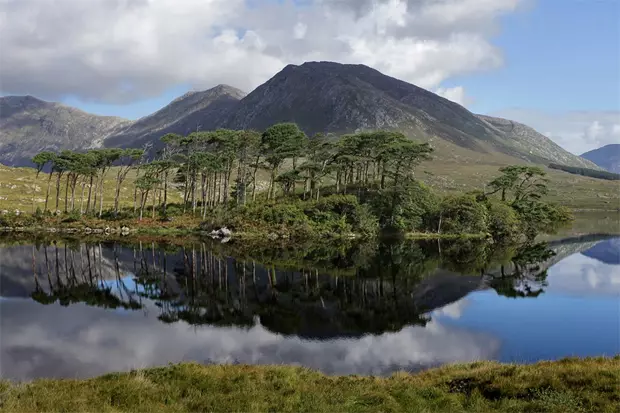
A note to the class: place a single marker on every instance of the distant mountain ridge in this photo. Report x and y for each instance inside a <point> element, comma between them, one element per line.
<point>526,139</point>
<point>197,110</point>
<point>318,96</point>
<point>607,157</point>
<point>29,125</point>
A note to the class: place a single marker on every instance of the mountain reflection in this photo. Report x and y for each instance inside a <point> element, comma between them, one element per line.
<point>314,292</point>
<point>356,308</point>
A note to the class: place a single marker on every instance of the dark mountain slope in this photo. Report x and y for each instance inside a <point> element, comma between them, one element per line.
<point>331,97</point>
<point>607,157</point>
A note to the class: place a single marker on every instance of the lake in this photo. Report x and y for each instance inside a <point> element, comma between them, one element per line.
<point>77,309</point>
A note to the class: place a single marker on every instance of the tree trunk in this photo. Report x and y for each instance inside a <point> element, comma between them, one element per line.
<point>165,192</point>
<point>203,192</point>
<point>82,198</point>
<point>154,202</point>
<point>67,193</point>
<point>254,179</point>
<point>135,193</point>
<point>90,189</point>
<point>73,185</point>
<point>227,182</point>
<point>117,192</point>
<point>272,183</point>
<point>57,190</point>
<point>194,193</point>
<point>34,190</point>
<point>47,192</point>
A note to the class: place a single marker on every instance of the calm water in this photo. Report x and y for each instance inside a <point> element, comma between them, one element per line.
<point>79,310</point>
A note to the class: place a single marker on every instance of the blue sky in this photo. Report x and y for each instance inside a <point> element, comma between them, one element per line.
<point>560,55</point>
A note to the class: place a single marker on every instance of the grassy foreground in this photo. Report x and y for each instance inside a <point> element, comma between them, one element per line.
<point>571,385</point>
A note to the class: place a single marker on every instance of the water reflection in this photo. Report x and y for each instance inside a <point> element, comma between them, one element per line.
<point>74,309</point>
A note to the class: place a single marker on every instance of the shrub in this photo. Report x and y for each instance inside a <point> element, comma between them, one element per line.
<point>503,223</point>
<point>409,207</point>
<point>463,215</point>
<point>540,217</point>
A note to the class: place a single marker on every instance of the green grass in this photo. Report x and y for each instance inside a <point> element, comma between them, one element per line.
<point>571,385</point>
<point>454,170</point>
<point>16,189</point>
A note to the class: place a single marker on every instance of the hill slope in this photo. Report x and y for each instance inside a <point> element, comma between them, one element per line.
<point>193,111</point>
<point>29,125</point>
<point>332,97</point>
<point>526,140</point>
<point>607,157</point>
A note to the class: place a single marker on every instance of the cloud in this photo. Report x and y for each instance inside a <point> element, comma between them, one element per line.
<point>455,94</point>
<point>123,50</point>
<point>80,341</point>
<point>577,131</point>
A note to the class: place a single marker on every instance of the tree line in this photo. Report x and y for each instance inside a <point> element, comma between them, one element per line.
<point>222,166</point>
<point>368,177</point>
<point>592,173</point>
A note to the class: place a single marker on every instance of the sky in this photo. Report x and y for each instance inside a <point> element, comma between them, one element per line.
<point>552,64</point>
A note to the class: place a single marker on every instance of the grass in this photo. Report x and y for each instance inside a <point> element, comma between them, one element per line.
<point>571,385</point>
<point>454,170</point>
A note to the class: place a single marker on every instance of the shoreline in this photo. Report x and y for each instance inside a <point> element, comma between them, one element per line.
<point>575,385</point>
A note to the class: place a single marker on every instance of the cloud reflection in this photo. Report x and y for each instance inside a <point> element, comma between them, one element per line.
<point>80,341</point>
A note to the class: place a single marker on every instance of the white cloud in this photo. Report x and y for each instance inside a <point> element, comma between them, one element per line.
<point>122,50</point>
<point>455,94</point>
<point>577,132</point>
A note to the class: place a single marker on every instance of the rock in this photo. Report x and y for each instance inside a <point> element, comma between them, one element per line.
<point>4,212</point>
<point>224,232</point>
<point>17,212</point>
<point>88,230</point>
<point>97,231</point>
<point>58,212</point>
<point>107,230</point>
<point>225,240</point>
<point>272,236</point>
<point>125,230</point>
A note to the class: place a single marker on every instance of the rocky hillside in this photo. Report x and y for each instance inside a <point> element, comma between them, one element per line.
<point>332,97</point>
<point>607,157</point>
<point>29,125</point>
<point>528,141</point>
<point>319,96</point>
<point>193,111</point>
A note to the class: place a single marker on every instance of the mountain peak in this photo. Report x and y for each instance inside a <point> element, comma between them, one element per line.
<point>23,101</point>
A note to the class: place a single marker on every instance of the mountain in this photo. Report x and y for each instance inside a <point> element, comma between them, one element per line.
<point>193,111</point>
<point>29,125</point>
<point>607,157</point>
<point>526,140</point>
<point>319,97</point>
<point>607,252</point>
<point>332,97</point>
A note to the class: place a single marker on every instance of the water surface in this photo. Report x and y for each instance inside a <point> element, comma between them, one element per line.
<point>71,309</point>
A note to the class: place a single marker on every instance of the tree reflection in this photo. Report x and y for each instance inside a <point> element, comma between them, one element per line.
<point>317,291</point>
